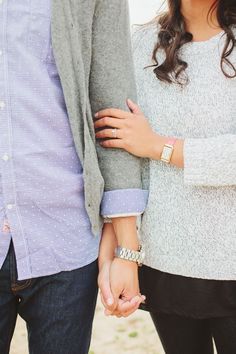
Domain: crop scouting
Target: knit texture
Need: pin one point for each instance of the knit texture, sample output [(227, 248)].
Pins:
[(189, 227), (92, 49)]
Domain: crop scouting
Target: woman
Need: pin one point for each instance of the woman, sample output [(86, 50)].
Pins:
[(186, 76)]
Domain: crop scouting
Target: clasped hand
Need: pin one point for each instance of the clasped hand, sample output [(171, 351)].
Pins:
[(119, 287), (118, 278)]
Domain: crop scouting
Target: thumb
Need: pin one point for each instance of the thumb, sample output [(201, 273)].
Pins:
[(134, 108), (106, 293)]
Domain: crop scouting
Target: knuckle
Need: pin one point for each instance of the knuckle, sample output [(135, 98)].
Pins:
[(105, 120), (108, 143)]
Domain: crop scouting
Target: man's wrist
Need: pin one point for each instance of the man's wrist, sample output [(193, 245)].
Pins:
[(126, 232)]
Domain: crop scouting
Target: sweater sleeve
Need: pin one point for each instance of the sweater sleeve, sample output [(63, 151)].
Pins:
[(210, 161), (111, 83)]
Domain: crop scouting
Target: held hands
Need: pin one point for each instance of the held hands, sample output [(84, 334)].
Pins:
[(130, 131), (118, 288), (118, 279), (125, 288)]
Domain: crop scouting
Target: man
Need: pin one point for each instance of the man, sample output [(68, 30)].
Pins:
[(52, 84)]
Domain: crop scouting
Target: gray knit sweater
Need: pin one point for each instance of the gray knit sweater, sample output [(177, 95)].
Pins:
[(189, 227)]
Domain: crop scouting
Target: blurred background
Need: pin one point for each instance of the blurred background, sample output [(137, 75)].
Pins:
[(144, 10), (135, 335)]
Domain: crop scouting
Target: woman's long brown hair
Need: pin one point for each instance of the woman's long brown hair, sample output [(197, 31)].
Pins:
[(173, 35)]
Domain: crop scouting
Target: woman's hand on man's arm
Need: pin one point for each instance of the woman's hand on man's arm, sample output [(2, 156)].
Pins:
[(132, 132)]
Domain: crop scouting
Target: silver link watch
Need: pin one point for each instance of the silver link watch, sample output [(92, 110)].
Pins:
[(130, 255)]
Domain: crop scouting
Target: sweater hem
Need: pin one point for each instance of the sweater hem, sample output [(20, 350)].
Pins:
[(212, 269)]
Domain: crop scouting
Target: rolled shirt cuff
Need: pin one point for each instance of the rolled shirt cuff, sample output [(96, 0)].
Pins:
[(124, 203)]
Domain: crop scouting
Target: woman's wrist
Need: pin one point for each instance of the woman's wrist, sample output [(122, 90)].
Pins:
[(157, 145)]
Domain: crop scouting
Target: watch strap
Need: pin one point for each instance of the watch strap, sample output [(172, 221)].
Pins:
[(130, 255)]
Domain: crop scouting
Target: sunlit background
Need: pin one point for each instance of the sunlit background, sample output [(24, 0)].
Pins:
[(144, 10)]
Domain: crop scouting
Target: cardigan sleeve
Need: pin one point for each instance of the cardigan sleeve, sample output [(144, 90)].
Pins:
[(210, 161), (111, 83)]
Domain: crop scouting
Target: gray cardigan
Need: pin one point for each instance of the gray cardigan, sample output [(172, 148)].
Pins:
[(92, 49)]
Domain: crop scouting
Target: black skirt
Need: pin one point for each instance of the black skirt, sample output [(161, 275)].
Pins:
[(188, 297)]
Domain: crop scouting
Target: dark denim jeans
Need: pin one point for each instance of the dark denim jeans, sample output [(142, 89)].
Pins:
[(58, 309)]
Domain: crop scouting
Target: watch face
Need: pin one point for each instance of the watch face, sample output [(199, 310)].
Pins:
[(166, 154)]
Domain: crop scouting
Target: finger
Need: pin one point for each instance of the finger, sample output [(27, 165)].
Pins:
[(113, 143), (125, 307), (116, 312), (109, 133), (134, 108), (122, 312), (108, 300), (129, 313), (108, 122), (129, 306), (109, 313), (132, 309), (103, 300), (112, 112), (106, 293)]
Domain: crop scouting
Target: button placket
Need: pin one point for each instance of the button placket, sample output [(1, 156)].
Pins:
[(5, 157), (4, 126), (7, 178), (7, 168), (3, 111)]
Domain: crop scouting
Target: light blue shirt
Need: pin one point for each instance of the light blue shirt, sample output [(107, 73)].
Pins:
[(41, 178)]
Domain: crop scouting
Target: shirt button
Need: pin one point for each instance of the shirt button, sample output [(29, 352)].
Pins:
[(2, 103), (5, 157), (9, 206)]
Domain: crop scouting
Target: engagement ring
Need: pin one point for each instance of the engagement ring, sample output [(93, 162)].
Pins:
[(114, 133)]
